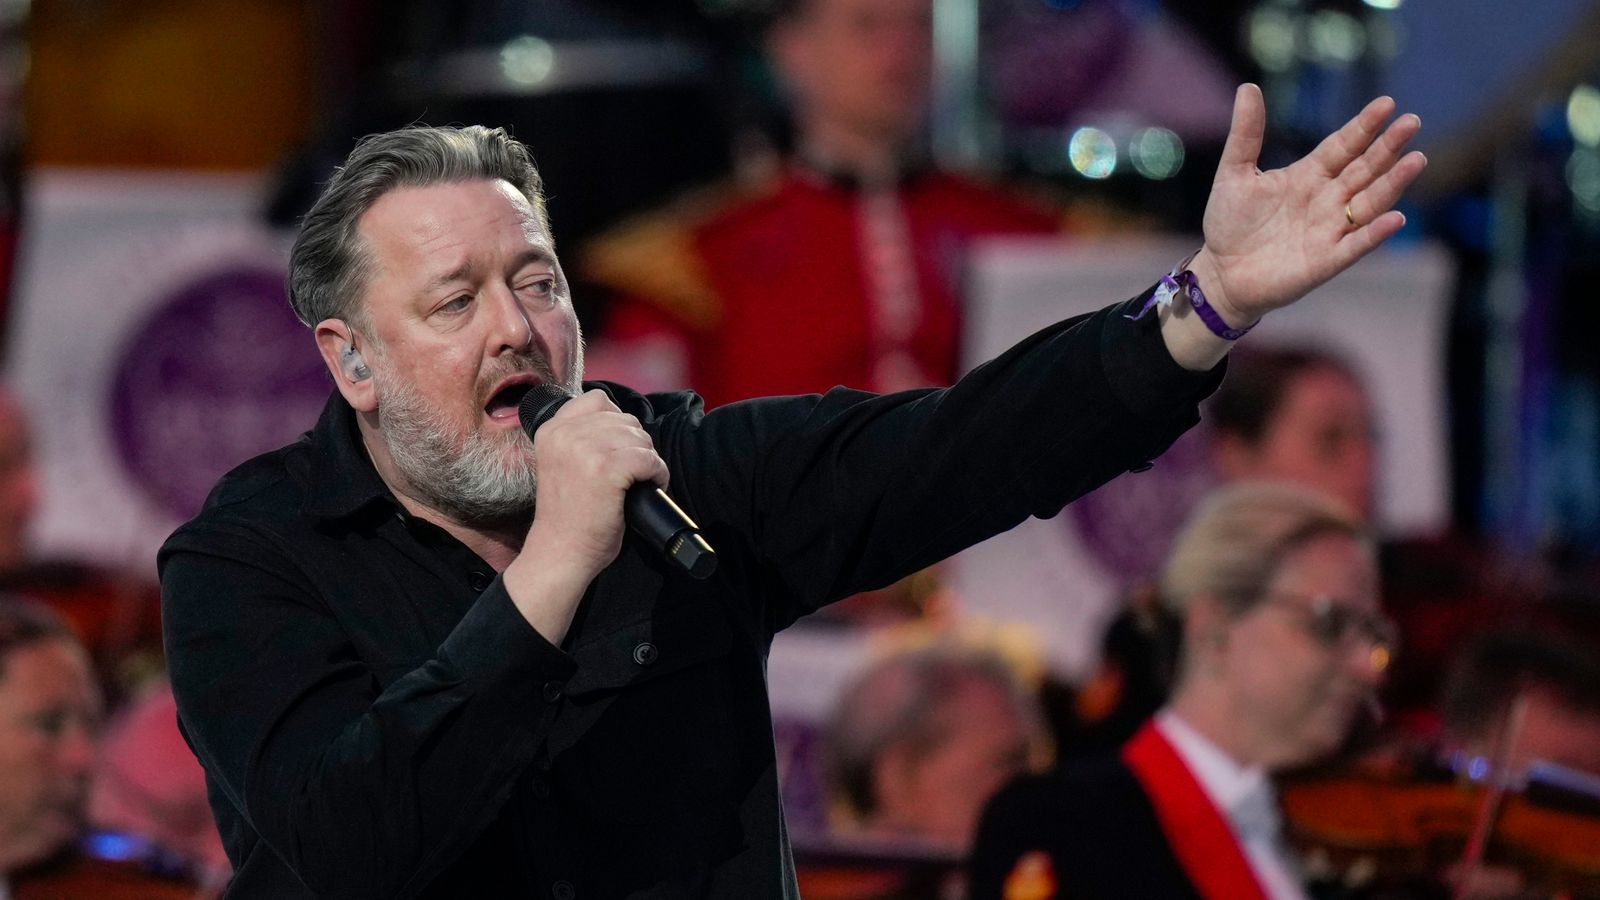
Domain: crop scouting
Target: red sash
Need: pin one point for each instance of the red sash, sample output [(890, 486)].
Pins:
[(1200, 837)]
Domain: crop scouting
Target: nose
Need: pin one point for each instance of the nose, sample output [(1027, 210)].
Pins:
[(513, 329), (75, 751), (1367, 660)]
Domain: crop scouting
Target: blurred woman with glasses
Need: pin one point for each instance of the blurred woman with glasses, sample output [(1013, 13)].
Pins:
[(1284, 645)]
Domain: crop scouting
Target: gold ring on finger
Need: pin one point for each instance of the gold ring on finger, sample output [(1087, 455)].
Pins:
[(1349, 216)]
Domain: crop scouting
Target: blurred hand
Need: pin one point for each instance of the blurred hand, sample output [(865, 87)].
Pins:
[(1270, 237)]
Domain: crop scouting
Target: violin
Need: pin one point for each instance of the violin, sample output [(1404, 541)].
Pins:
[(1373, 829), (1441, 819)]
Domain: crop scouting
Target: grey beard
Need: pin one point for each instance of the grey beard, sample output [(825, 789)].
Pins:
[(473, 484)]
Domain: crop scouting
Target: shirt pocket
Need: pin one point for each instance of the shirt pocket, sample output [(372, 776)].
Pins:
[(650, 702)]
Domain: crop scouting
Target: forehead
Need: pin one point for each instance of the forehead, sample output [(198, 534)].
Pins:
[(415, 225), (1334, 564), (42, 673), (1324, 385)]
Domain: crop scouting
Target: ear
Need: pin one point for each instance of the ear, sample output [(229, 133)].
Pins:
[(1205, 631), (337, 341)]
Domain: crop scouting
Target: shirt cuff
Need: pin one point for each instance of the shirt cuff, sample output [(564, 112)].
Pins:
[(1142, 372), (494, 646)]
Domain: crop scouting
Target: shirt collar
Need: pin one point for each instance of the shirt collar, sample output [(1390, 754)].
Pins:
[(1243, 793), (342, 479)]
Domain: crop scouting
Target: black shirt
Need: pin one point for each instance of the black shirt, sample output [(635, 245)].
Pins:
[(377, 720)]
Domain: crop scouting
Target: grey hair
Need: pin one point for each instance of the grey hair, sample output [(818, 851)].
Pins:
[(899, 701), (1231, 546), (328, 266)]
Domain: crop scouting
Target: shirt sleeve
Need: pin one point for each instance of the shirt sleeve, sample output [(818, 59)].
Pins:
[(848, 491), (361, 791)]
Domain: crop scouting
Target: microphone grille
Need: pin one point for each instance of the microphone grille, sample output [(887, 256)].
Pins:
[(539, 404)]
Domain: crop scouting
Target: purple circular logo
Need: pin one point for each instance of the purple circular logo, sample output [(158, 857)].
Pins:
[(1128, 524), (221, 371)]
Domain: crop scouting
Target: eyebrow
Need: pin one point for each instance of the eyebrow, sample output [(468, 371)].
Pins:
[(463, 271)]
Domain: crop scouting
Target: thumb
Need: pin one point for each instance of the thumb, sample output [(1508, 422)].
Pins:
[(1245, 132)]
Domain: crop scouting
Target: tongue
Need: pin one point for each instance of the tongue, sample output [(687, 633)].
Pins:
[(503, 405)]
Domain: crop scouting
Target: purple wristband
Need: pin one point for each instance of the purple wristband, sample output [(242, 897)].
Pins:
[(1207, 312), (1182, 280)]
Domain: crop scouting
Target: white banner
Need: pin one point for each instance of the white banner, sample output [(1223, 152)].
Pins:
[(1064, 576), (153, 347)]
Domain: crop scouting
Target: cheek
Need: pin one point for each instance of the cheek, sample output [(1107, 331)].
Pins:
[(558, 328), (24, 777), (1291, 455), (446, 380), (1278, 678)]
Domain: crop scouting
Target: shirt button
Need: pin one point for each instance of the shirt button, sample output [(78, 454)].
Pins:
[(563, 890), (1145, 466), (541, 788), (552, 691), (646, 653), (479, 581)]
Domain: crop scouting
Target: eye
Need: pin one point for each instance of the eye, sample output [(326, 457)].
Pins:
[(455, 304), (1331, 621), (50, 723), (542, 288)]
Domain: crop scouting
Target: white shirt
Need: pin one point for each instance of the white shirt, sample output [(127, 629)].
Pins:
[(1247, 800)]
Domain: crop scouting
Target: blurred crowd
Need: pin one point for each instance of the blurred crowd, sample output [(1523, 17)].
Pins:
[(1298, 706)]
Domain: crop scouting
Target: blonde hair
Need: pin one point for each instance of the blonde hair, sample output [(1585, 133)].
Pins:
[(1233, 542)]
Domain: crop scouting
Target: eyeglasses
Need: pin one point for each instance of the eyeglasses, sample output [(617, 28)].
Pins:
[(1337, 624)]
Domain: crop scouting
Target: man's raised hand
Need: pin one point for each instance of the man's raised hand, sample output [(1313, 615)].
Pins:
[(1271, 237)]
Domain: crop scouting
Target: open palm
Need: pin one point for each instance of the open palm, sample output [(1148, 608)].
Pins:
[(1273, 236)]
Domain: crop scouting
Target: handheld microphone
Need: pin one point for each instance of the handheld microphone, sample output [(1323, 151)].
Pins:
[(649, 512)]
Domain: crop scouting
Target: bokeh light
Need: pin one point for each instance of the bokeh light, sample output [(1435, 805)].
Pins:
[(527, 60), (1092, 153), (1337, 38), (1156, 153), (1583, 178), (1583, 115), (1271, 38)]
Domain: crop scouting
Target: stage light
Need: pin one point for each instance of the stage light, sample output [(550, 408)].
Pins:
[(1093, 153), (527, 60), (1156, 153), (1583, 115)]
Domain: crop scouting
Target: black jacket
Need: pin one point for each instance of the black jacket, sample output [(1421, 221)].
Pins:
[(1095, 825), (376, 720)]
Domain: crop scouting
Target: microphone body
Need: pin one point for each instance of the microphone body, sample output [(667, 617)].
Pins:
[(651, 515)]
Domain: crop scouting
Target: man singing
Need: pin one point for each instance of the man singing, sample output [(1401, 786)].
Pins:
[(413, 650)]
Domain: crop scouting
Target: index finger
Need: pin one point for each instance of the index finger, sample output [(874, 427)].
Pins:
[(592, 400), (1339, 149)]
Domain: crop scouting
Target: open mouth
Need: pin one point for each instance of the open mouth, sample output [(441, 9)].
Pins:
[(502, 404)]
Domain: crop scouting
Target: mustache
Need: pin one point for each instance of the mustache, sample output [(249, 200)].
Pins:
[(519, 364)]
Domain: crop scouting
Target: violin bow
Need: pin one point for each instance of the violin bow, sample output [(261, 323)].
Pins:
[(1494, 793)]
